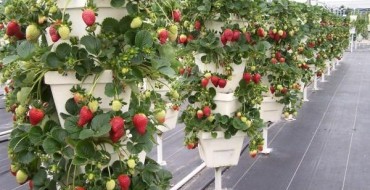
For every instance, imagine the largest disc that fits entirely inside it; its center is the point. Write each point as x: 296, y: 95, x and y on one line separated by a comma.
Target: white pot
x: 227, y: 104
x: 270, y: 110
x: 74, y: 9
x: 61, y: 85
x: 218, y: 152
x: 170, y: 121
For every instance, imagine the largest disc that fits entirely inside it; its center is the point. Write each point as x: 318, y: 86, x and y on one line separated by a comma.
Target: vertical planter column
x: 323, y: 77
x: 328, y: 68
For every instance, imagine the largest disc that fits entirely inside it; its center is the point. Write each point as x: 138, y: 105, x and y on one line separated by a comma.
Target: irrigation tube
x: 5, y: 133
x: 188, y: 177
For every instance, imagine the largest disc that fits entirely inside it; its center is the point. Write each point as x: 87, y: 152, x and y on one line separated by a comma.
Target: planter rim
x: 54, y: 77
x: 220, y: 134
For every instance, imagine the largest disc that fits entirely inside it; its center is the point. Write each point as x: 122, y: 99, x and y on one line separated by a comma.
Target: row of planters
x: 90, y: 83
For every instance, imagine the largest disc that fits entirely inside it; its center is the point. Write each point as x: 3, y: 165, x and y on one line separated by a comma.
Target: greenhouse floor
x: 326, y: 148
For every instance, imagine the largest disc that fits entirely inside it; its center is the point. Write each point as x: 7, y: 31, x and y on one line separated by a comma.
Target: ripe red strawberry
x: 223, y: 39
x: 214, y: 80
x: 191, y: 145
x: 89, y: 17
x: 282, y: 60
x: 181, y: 71
x: 197, y: 25
x: 277, y: 37
x: 248, y: 37
x: 54, y: 33
x: 183, y: 39
x: 272, y: 89
x: 200, y: 114
x: 176, y: 15
x: 236, y: 35
x: 30, y: 184
x: 278, y: 55
x: 13, y: 28
x: 274, y: 60
x: 117, y: 123
x: 176, y: 107
x: 261, y: 32
x: 190, y: 38
x: 206, y: 111
x: 247, y: 77
x: 253, y: 153
x: 284, y: 90
x: 222, y: 83
x: 140, y: 122
x: 124, y: 181
x: 6, y: 89
x: 36, y: 115
x: 204, y: 82
x: 162, y: 35
x: 79, y: 188
x: 85, y: 116
x: 228, y: 33
x: 256, y: 78
x: 284, y: 35
x: 116, y: 136
x: 271, y: 34
x: 20, y: 35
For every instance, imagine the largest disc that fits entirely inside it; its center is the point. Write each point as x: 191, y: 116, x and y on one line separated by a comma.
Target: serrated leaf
x: 10, y: 59
x: 26, y: 157
x: 19, y: 144
x: 68, y: 152
x: 59, y: 135
x: 86, y: 133
x: 51, y: 145
x: 85, y: 149
x: 124, y: 24
x: 25, y: 49
x: 36, y: 135
x: 104, y: 129
x: 168, y: 71
x: 110, y: 25
x: 110, y: 90
x: 53, y: 61
x: 238, y: 124
x: 63, y: 50
x: 99, y: 121
x: 143, y: 39
x: 78, y: 161
x: 39, y: 178
x: 71, y: 127
x: 71, y: 107
x: 117, y: 3
x: 23, y: 94
x: 92, y: 44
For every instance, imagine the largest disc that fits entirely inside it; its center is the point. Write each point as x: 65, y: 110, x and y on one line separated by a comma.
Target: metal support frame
x: 265, y: 150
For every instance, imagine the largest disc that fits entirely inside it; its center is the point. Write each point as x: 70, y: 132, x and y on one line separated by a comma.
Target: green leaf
x: 39, y: 178
x: 71, y: 107
x: 110, y: 25
x: 36, y: 135
x: 78, y: 161
x: 143, y: 39
x: 99, y: 121
x: 68, y: 152
x: 19, y: 144
x: 92, y: 44
x: 124, y: 24
x: 26, y: 157
x: 148, y: 177
x: 63, y: 50
x: 110, y: 90
x: 86, y: 133
x: 71, y: 126
x: 104, y: 129
x: 152, y: 167
x: 168, y: 71
x: 53, y: 61
x: 59, y: 135
x: 23, y: 94
x: 10, y: 59
x: 25, y: 49
x: 51, y: 145
x: 117, y: 3
x: 238, y: 124
x: 85, y: 149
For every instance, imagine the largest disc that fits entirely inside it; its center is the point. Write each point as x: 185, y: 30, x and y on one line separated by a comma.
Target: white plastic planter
x: 170, y: 121
x: 232, y: 84
x: 219, y: 152
x: 74, y: 9
x: 227, y: 104
x: 270, y: 110
x: 61, y: 85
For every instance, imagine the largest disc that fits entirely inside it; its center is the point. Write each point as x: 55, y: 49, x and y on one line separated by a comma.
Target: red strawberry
x: 261, y: 32
x: 13, y: 28
x: 20, y: 35
x: 284, y: 90
x: 282, y: 60
x: 228, y: 33
x: 277, y: 37
x: 260, y: 147
x: 247, y: 77
x: 6, y: 89
x: 162, y: 35
x: 191, y: 145
x: 116, y: 136
x: 222, y: 83
x: 176, y: 15
x: 183, y: 39
x: 124, y: 181
x: 88, y: 16
x: 253, y: 153
x: 140, y: 122
x: 204, y: 82
x: 284, y: 35
x: 197, y: 25
x: 278, y: 55
x: 54, y: 33
x: 214, y: 80
x: 1, y: 26
x: 117, y: 123
x: 85, y: 116
x: 223, y: 39
x: 200, y: 114
x: 36, y: 116
x: 206, y: 111
x: 79, y: 188
x: 236, y: 35
x: 272, y: 89
x: 271, y: 34
x: 256, y: 78
x: 190, y: 38
x: 181, y: 71
x: 248, y: 37
x: 77, y: 97
x: 30, y: 184
x: 176, y: 107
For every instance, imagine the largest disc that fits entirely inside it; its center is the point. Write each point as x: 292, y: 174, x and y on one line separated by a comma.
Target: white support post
x: 218, y: 178
x: 328, y: 69
x: 160, y: 150
x: 334, y: 66
x: 315, y: 82
x: 265, y: 150
x: 338, y: 63
x: 323, y: 78
x: 352, y: 36
x: 305, y: 98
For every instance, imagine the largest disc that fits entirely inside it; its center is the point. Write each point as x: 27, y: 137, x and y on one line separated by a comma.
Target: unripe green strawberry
x: 131, y: 163
x: 116, y: 105
x: 110, y: 185
x: 32, y: 32
x: 64, y: 32
x: 93, y: 106
x: 53, y: 9
x: 136, y: 22
x: 160, y: 116
x: 173, y: 33
x: 20, y: 110
x: 21, y: 176
x: 8, y: 9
